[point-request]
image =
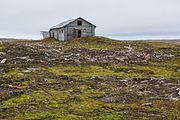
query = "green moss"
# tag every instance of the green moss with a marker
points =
(110, 116)
(2, 47)
(89, 71)
(39, 116)
(160, 72)
(15, 102)
(15, 77)
(148, 71)
(158, 110)
(169, 63)
(133, 71)
(13, 72)
(161, 45)
(57, 105)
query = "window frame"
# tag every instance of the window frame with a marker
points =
(79, 22)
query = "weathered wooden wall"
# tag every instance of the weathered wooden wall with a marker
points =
(70, 29)
(45, 34)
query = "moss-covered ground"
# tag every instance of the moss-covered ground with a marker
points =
(35, 88)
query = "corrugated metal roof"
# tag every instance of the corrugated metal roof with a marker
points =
(63, 24)
(80, 28)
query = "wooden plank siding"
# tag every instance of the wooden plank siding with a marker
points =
(72, 30)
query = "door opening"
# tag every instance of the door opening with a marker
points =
(79, 33)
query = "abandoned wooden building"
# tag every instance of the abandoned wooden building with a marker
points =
(70, 29)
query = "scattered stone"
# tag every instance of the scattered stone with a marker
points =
(76, 92)
(124, 80)
(26, 71)
(2, 53)
(23, 58)
(168, 56)
(10, 86)
(33, 69)
(110, 99)
(3, 61)
(129, 48)
(30, 60)
(20, 74)
(148, 104)
(175, 99)
(97, 78)
(21, 87)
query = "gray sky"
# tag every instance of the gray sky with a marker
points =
(25, 18)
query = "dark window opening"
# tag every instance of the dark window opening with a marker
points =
(79, 22)
(79, 33)
(62, 31)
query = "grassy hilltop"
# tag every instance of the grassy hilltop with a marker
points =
(90, 78)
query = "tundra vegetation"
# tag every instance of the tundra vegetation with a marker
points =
(91, 78)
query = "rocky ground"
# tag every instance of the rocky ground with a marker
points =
(89, 78)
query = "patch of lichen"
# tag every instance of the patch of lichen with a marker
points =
(42, 105)
(118, 70)
(14, 77)
(46, 103)
(159, 72)
(89, 71)
(160, 109)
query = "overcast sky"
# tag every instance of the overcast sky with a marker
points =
(26, 18)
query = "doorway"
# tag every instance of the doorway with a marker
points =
(79, 33)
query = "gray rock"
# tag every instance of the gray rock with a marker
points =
(76, 92)
(3, 61)
(97, 78)
(33, 69)
(147, 104)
